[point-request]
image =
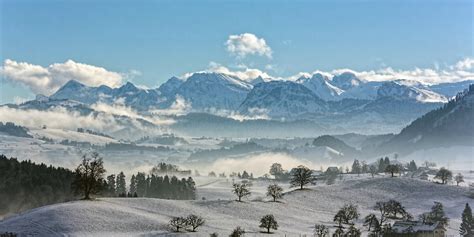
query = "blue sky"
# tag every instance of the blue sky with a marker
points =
(161, 39)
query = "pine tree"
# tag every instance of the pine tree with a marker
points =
(356, 167)
(111, 189)
(141, 184)
(133, 184)
(121, 184)
(467, 224)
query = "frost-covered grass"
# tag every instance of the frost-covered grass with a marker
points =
(296, 213)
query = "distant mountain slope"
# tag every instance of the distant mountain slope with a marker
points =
(452, 124)
(321, 86)
(282, 99)
(128, 94)
(213, 90)
(11, 129)
(336, 144)
(406, 90)
(450, 89)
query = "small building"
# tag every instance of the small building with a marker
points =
(417, 229)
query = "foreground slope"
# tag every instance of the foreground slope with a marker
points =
(296, 213)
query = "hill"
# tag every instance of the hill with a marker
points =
(296, 214)
(452, 124)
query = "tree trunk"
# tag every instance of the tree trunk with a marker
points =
(274, 199)
(301, 186)
(268, 230)
(239, 198)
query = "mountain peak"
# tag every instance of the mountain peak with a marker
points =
(73, 84)
(346, 80)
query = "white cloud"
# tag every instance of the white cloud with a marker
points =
(245, 74)
(179, 107)
(248, 44)
(118, 108)
(465, 64)
(59, 118)
(46, 80)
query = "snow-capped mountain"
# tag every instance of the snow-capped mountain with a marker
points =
(213, 90)
(409, 90)
(321, 86)
(282, 99)
(168, 89)
(346, 81)
(128, 94)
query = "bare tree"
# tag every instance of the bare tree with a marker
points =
(459, 178)
(275, 191)
(194, 221)
(301, 176)
(89, 175)
(373, 170)
(178, 223)
(321, 230)
(444, 175)
(268, 222)
(241, 190)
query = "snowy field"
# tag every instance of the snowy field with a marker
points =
(296, 214)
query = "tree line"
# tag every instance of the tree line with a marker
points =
(25, 185)
(89, 179)
(153, 186)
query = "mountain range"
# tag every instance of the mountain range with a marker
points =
(306, 95)
(342, 103)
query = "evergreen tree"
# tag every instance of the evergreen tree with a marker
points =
(467, 224)
(133, 184)
(437, 215)
(121, 184)
(141, 184)
(111, 185)
(412, 166)
(356, 167)
(25, 185)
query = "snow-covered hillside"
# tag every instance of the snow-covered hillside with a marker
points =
(296, 214)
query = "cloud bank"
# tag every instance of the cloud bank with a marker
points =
(46, 80)
(247, 44)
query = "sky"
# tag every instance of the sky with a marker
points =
(45, 43)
